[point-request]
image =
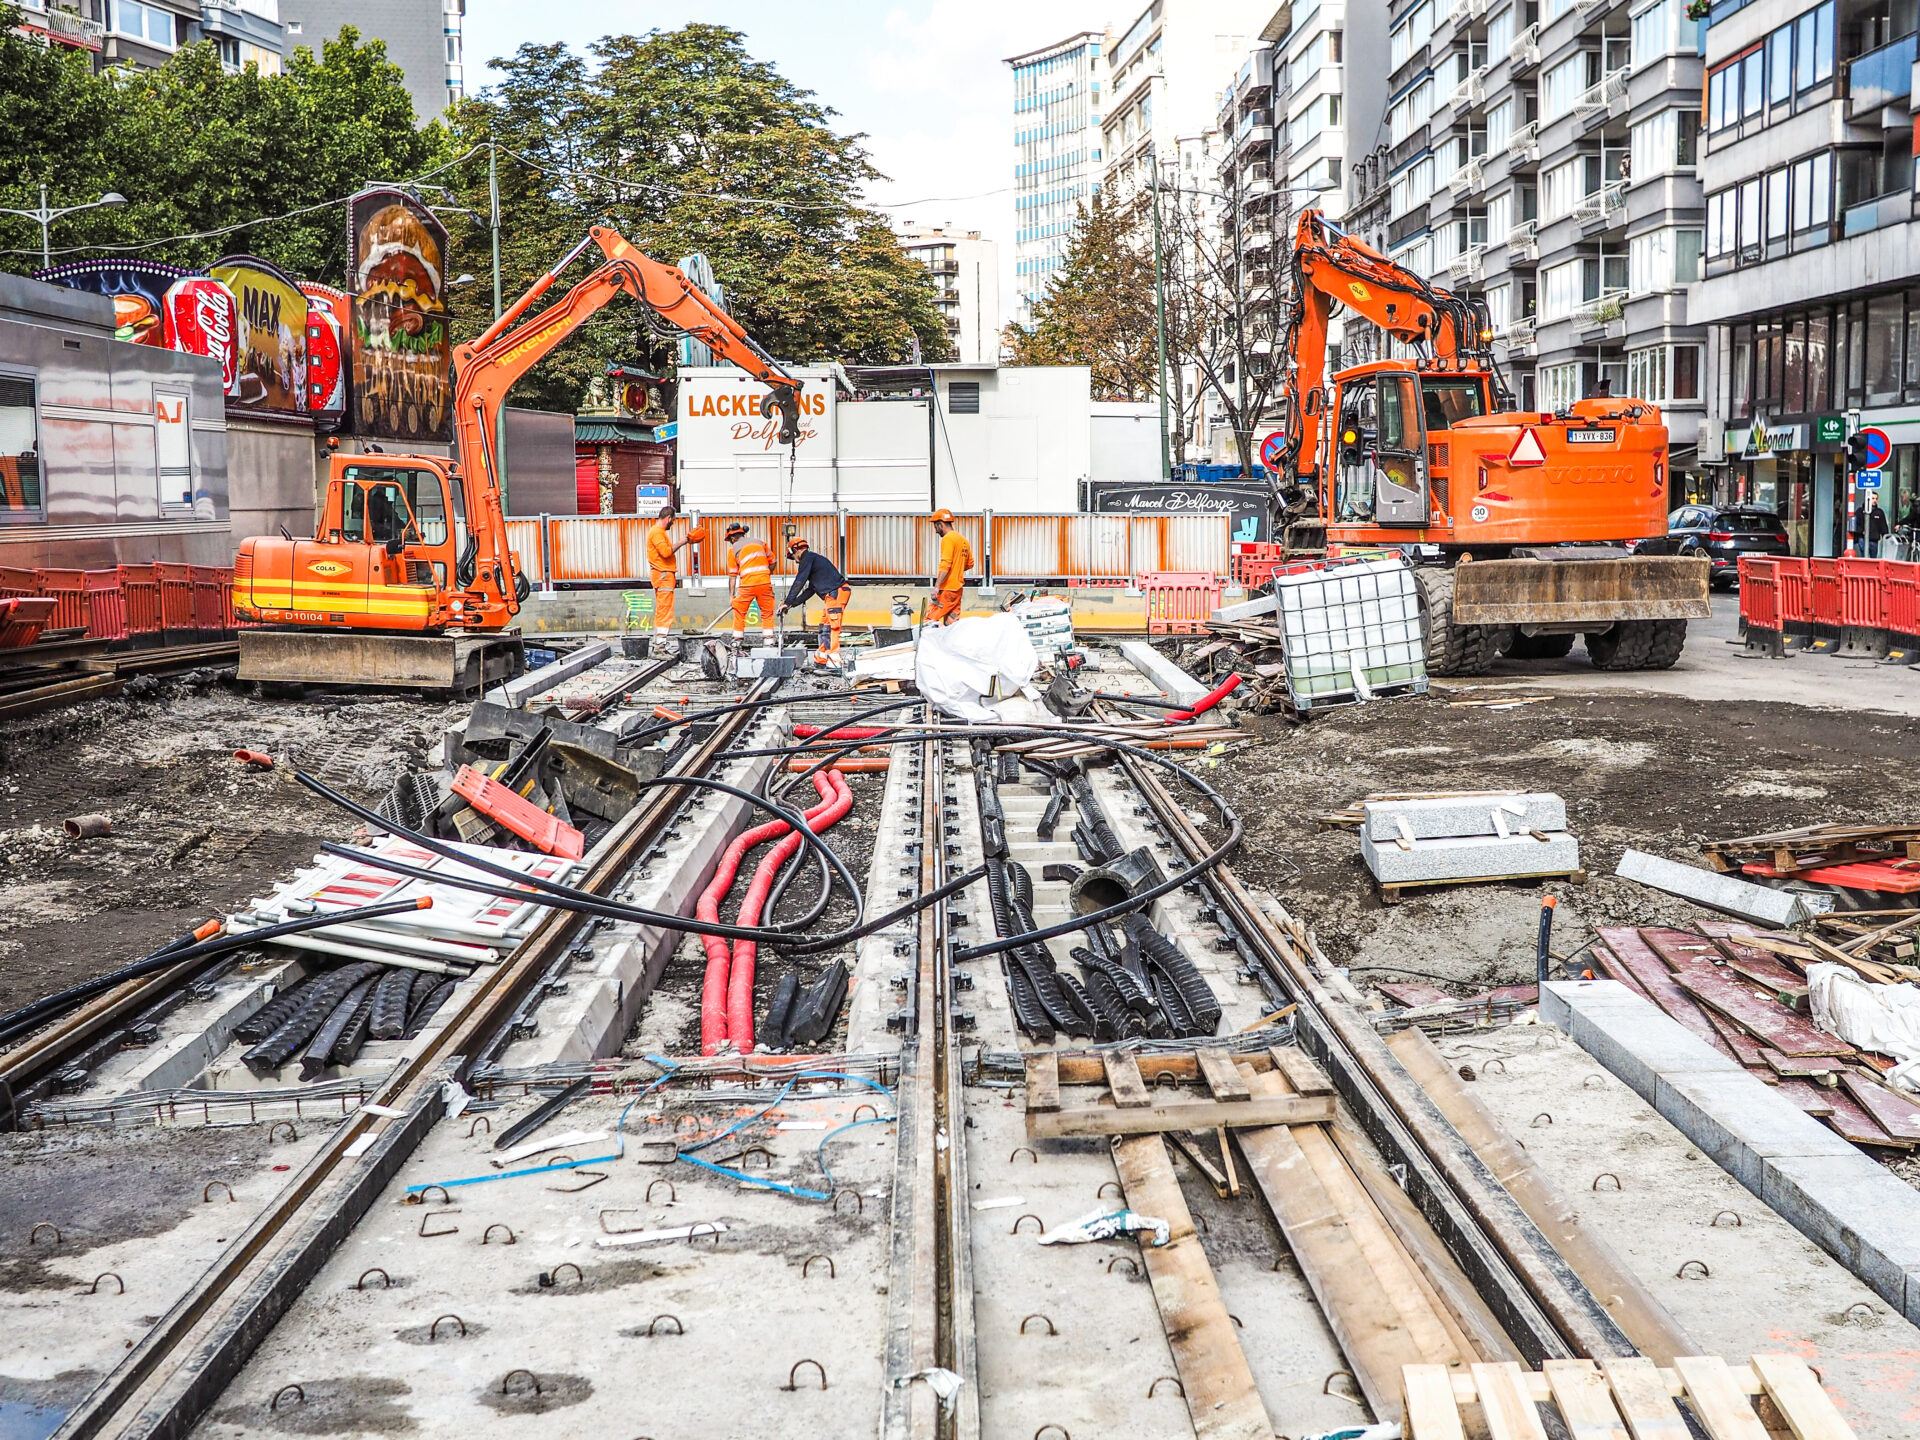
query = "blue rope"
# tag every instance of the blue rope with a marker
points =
(820, 1151)
(745, 1179)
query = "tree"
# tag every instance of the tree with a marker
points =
(195, 149)
(687, 143)
(1098, 307)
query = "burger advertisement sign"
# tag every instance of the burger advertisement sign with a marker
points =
(402, 346)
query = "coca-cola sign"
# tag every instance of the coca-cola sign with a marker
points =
(202, 318)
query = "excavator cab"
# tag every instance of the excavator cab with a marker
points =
(1380, 448)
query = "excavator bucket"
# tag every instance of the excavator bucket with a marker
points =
(460, 665)
(1596, 592)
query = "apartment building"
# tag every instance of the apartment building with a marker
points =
(1812, 286)
(1058, 153)
(966, 283)
(70, 24)
(1542, 154)
(1168, 69)
(246, 32)
(423, 37)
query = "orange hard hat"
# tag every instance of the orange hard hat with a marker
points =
(946, 515)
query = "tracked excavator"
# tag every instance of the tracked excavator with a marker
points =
(410, 580)
(1518, 520)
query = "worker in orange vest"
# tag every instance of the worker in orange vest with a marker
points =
(750, 564)
(956, 557)
(814, 574)
(662, 562)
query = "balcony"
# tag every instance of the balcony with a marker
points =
(1893, 208)
(1467, 180)
(1477, 9)
(944, 267)
(1880, 78)
(1602, 98)
(1468, 266)
(63, 27)
(1525, 142)
(1472, 90)
(1604, 309)
(1526, 50)
(1603, 204)
(1523, 240)
(1520, 338)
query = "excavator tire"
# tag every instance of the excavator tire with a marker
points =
(1669, 637)
(1627, 646)
(1451, 649)
(1539, 647)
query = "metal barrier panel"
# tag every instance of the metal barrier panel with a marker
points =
(894, 547)
(1796, 590)
(1863, 595)
(1759, 593)
(523, 539)
(596, 547)
(820, 531)
(1101, 547)
(1198, 544)
(1825, 580)
(1903, 597)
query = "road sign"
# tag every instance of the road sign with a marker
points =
(1527, 450)
(1830, 429)
(1879, 447)
(666, 432)
(1867, 479)
(1273, 450)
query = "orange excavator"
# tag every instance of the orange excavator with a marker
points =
(410, 579)
(1527, 513)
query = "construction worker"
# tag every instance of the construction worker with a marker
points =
(662, 562)
(814, 574)
(956, 557)
(750, 564)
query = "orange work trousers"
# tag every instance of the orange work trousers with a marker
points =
(745, 599)
(945, 608)
(833, 618)
(663, 584)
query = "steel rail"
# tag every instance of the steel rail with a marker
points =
(170, 1379)
(1544, 1306)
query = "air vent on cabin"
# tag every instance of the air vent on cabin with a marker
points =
(963, 397)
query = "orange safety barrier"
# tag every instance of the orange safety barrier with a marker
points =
(24, 584)
(1863, 594)
(207, 609)
(1179, 601)
(1760, 603)
(1796, 593)
(140, 589)
(1903, 598)
(106, 606)
(69, 588)
(524, 818)
(1824, 576)
(22, 618)
(176, 596)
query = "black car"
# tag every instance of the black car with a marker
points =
(1723, 535)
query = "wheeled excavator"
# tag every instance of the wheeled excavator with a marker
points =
(1518, 520)
(410, 580)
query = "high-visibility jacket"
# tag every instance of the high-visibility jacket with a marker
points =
(956, 557)
(752, 562)
(660, 555)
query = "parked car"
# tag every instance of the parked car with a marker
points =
(1721, 533)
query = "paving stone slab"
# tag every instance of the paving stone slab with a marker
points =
(1441, 819)
(1473, 857)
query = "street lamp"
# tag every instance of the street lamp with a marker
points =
(46, 216)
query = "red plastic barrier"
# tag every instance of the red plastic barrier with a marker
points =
(1863, 594)
(228, 621)
(22, 618)
(1760, 593)
(176, 596)
(207, 614)
(1796, 590)
(106, 606)
(140, 588)
(524, 818)
(1179, 601)
(1903, 597)
(1825, 578)
(25, 584)
(69, 588)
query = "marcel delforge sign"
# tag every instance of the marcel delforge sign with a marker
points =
(720, 414)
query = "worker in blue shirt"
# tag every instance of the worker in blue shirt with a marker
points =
(814, 574)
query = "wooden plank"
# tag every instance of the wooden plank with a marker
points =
(1613, 969)
(1718, 1401)
(1767, 1020)
(1506, 1400)
(1585, 1400)
(1300, 1071)
(1043, 1082)
(1412, 992)
(1216, 1177)
(1428, 1411)
(1641, 1395)
(1221, 1396)
(1745, 1048)
(1216, 1068)
(1180, 1115)
(1084, 1067)
(1760, 967)
(1123, 1078)
(1893, 1113)
(1657, 981)
(1800, 1067)
(1226, 1159)
(1815, 1100)
(1797, 1394)
(1851, 1122)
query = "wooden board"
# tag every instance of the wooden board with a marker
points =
(1796, 1393)
(1585, 1400)
(1085, 1067)
(1216, 1068)
(1815, 1100)
(1657, 981)
(1043, 1082)
(1429, 1411)
(1893, 1113)
(1775, 1026)
(1123, 1078)
(1306, 1077)
(1800, 1067)
(1506, 1400)
(1641, 1397)
(1390, 894)
(1851, 1122)
(1612, 968)
(1152, 1119)
(1412, 993)
(1717, 1399)
(1221, 1396)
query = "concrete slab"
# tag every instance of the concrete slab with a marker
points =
(1439, 819)
(1843, 1201)
(1172, 680)
(1725, 893)
(1247, 609)
(515, 692)
(1471, 857)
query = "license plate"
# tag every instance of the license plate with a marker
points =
(1590, 437)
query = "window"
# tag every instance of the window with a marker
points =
(1777, 207)
(1813, 191)
(453, 49)
(1561, 289)
(1780, 66)
(1559, 386)
(173, 446)
(1499, 217)
(1815, 36)
(1410, 111)
(1663, 29)
(1412, 186)
(1654, 145)
(1411, 36)
(1499, 127)
(22, 490)
(145, 22)
(353, 513)
(1686, 372)
(1499, 307)
(963, 397)
(1500, 33)
(1562, 187)
(1650, 263)
(1884, 319)
(1647, 374)
(1450, 401)
(1563, 85)
(400, 495)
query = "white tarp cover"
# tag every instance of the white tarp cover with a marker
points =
(956, 666)
(1881, 1018)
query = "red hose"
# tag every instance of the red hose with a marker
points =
(1220, 692)
(740, 977)
(845, 732)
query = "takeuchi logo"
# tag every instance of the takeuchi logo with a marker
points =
(328, 567)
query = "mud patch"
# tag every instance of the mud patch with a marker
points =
(448, 1328)
(337, 1406)
(555, 1392)
(609, 1276)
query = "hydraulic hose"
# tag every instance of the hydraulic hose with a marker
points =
(739, 1016)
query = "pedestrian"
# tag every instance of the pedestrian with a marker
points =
(663, 564)
(1869, 526)
(750, 564)
(956, 557)
(814, 574)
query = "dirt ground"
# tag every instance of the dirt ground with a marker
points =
(1648, 772)
(194, 833)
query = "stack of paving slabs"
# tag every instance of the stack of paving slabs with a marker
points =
(1744, 991)
(1458, 839)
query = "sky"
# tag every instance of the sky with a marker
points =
(924, 82)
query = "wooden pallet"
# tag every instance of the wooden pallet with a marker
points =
(1126, 1104)
(1391, 894)
(1731, 1402)
(1813, 847)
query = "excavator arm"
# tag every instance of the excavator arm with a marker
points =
(1331, 266)
(489, 367)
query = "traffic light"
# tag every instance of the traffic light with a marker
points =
(1857, 458)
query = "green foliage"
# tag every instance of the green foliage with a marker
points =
(196, 149)
(686, 143)
(1098, 309)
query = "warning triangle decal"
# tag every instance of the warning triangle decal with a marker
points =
(1527, 450)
